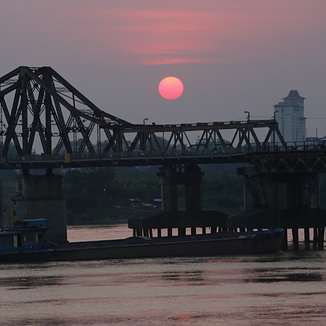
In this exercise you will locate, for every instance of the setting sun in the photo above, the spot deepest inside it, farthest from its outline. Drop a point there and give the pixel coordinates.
(170, 88)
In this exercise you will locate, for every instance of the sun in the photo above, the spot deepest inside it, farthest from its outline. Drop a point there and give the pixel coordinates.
(170, 88)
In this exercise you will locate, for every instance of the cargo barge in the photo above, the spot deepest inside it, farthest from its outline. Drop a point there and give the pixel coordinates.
(24, 244)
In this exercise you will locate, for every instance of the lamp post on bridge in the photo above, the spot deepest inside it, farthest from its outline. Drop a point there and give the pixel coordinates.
(248, 115)
(142, 139)
(248, 119)
(274, 116)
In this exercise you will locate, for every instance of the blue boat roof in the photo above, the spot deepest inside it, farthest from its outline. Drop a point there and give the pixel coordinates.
(31, 223)
(9, 233)
(35, 222)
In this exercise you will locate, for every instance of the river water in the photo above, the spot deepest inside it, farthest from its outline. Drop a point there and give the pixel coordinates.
(285, 288)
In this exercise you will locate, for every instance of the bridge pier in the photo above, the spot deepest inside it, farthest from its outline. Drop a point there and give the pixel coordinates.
(287, 200)
(169, 191)
(40, 197)
(173, 221)
(191, 177)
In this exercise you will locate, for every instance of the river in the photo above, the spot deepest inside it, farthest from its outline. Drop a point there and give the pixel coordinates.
(285, 288)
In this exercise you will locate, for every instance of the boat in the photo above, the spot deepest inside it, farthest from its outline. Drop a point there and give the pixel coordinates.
(24, 244)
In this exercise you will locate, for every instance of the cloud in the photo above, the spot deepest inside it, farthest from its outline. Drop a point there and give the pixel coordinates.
(146, 32)
(217, 31)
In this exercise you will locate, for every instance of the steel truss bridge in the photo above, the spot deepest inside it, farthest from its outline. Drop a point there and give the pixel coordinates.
(40, 109)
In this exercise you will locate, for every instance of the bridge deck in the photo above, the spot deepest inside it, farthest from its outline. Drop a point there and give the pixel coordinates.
(305, 159)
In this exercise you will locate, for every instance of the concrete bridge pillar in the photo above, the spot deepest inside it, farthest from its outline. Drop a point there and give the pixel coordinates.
(40, 197)
(7, 190)
(281, 190)
(193, 191)
(190, 177)
(292, 191)
(169, 191)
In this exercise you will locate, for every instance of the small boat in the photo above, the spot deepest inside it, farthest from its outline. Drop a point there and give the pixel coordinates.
(23, 245)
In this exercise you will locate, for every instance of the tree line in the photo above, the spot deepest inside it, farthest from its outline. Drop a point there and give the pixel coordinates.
(99, 193)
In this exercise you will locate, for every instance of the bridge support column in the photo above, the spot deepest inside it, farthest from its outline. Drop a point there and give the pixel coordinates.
(281, 190)
(7, 190)
(193, 191)
(40, 197)
(190, 176)
(285, 199)
(295, 236)
(318, 240)
(307, 238)
(169, 192)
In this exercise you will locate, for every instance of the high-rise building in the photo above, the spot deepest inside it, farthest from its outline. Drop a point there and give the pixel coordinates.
(290, 117)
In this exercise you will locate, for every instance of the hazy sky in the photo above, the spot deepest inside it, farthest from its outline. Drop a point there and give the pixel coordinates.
(232, 55)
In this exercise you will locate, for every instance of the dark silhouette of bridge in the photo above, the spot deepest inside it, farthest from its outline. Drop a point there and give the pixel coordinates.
(40, 110)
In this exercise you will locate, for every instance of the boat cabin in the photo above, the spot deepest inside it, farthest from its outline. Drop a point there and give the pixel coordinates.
(25, 235)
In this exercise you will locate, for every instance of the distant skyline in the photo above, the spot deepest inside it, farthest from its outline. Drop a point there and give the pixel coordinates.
(232, 55)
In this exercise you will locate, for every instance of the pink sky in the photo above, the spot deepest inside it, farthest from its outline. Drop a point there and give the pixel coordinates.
(232, 55)
(192, 31)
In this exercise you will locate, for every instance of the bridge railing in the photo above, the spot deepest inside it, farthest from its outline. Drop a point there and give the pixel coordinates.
(128, 155)
(186, 153)
(290, 146)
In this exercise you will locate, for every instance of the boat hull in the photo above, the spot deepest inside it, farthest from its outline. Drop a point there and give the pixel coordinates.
(148, 248)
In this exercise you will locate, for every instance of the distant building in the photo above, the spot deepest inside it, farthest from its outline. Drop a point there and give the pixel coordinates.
(290, 117)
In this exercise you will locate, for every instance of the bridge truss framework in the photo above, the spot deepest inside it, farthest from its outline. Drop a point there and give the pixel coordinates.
(40, 109)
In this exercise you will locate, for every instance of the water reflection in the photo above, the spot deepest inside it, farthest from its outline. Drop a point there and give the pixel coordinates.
(186, 319)
(31, 282)
(184, 277)
(39, 322)
(284, 277)
(50, 321)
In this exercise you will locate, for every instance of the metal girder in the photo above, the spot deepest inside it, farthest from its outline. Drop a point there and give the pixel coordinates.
(7, 78)
(11, 122)
(40, 109)
(87, 102)
(36, 125)
(209, 135)
(292, 161)
(40, 106)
